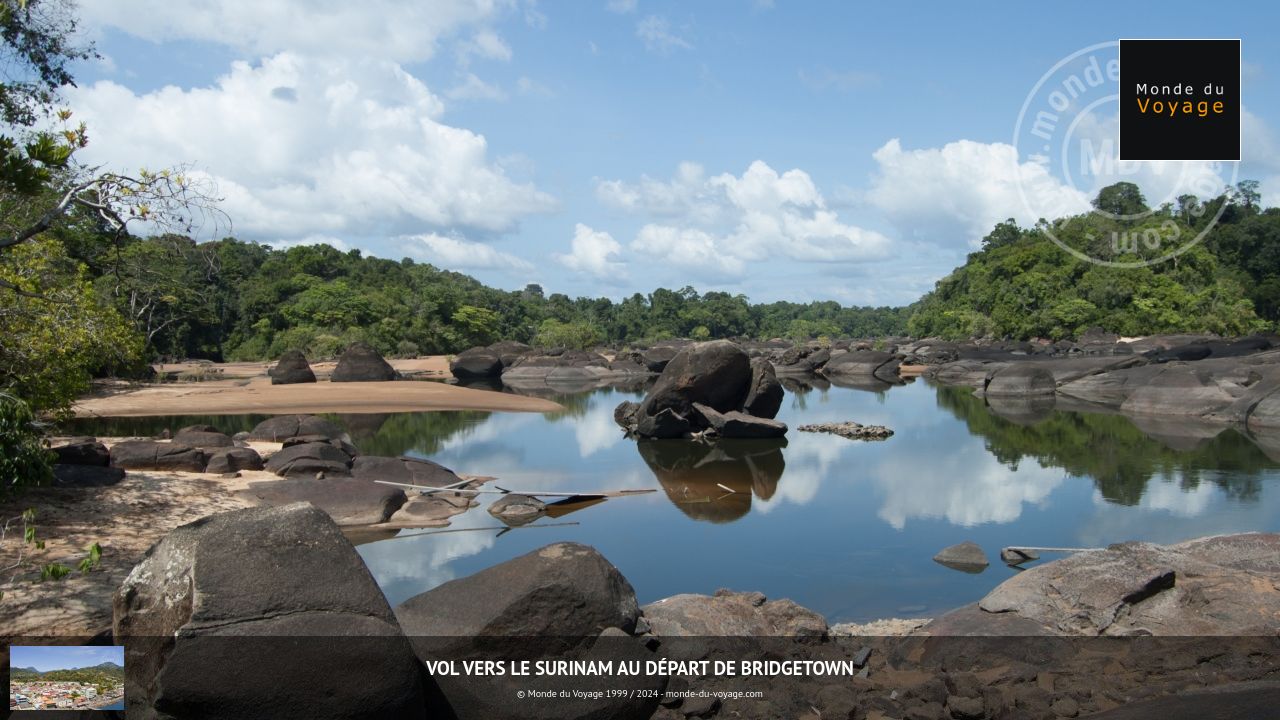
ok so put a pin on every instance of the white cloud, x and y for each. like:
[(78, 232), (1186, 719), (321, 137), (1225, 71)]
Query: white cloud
[(473, 88), (592, 253), (960, 191), (456, 253), (719, 224), (621, 6), (656, 32), (485, 44), (399, 30), (300, 146)]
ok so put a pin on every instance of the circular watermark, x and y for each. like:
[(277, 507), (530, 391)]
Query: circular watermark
[(1067, 151)]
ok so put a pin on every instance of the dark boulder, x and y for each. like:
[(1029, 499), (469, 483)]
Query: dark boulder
[(339, 443), (565, 594), (410, 471), (199, 436), (625, 415), (666, 425), (346, 500), (291, 369), (1020, 380), (152, 455), (508, 351), (82, 451), (764, 399), (478, 362), (309, 458), (283, 427), (81, 476), (231, 460), (716, 374), (1184, 353), (737, 425), (656, 358), (278, 590), (361, 363)]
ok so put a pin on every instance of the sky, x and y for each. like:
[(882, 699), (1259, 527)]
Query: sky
[(64, 657), (784, 150)]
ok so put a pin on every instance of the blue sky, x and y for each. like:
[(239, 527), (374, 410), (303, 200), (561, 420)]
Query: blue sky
[(64, 657), (608, 147)]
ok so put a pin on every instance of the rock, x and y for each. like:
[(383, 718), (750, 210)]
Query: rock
[(411, 471), (65, 475), (1110, 388), (346, 500), (764, 398), (625, 415), (694, 475), (1184, 353), (1217, 586), (82, 451), (1183, 391), (1096, 335), (565, 594), (478, 362), (730, 614), (967, 708), (1018, 556), (292, 368), (508, 351), (517, 509), (309, 458), (230, 460), (737, 425), (1021, 379), (199, 437), (717, 374), (851, 430), (361, 363), (339, 443), (283, 427), (1065, 707), (269, 589), (700, 707), (656, 358), (864, 362), (152, 455), (665, 425), (1224, 702), (966, 557)]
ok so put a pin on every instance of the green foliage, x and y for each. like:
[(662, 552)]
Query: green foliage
[(573, 335), (1022, 286), (23, 459), (54, 571)]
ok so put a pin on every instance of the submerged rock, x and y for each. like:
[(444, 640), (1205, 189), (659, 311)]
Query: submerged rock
[(965, 557), (517, 509), (850, 430)]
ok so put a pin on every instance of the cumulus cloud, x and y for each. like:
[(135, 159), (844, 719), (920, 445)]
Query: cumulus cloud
[(300, 146), (473, 88), (721, 223), (451, 252), (656, 32), (592, 253), (486, 44), (960, 191), (401, 30)]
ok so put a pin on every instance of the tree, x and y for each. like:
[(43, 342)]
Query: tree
[(1123, 199)]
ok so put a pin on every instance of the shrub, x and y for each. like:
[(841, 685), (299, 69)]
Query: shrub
[(23, 459)]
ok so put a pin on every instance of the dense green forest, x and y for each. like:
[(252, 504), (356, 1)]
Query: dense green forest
[(1020, 285)]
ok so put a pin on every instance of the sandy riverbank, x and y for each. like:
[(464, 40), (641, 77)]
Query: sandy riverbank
[(244, 388)]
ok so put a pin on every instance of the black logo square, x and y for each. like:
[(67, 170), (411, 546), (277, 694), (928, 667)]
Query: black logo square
[(1179, 99)]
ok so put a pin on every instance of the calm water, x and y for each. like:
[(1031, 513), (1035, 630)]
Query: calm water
[(844, 527)]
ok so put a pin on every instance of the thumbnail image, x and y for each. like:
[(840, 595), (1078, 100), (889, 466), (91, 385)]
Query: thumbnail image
[(66, 677)]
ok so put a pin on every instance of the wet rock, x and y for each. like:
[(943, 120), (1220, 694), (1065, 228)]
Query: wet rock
[(230, 460), (764, 399), (283, 427), (665, 425), (1018, 556), (737, 425), (1021, 379), (361, 363), (517, 509), (291, 369), (965, 557), (152, 455), (82, 451), (347, 501), (730, 614), (850, 430), (270, 589), (81, 476)]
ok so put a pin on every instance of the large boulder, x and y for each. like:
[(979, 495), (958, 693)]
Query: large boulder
[(508, 351), (476, 363), (732, 614), (361, 363), (202, 436), (656, 358), (737, 425), (1216, 586), (716, 374), (346, 500), (1021, 380), (307, 459), (235, 459), (292, 368), (283, 427), (764, 398), (153, 455), (82, 451), (411, 471), (273, 603)]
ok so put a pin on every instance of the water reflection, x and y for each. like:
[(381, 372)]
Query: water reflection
[(715, 482)]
